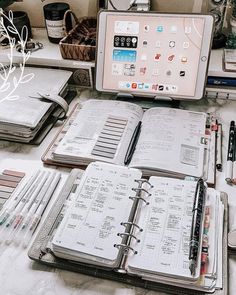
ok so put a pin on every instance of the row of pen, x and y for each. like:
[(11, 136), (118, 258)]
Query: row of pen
[(22, 212)]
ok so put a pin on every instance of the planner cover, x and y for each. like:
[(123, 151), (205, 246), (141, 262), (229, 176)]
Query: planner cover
[(41, 250), (28, 110), (25, 115)]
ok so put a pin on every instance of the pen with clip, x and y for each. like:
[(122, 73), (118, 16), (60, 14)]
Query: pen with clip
[(39, 212), (21, 217), (34, 207), (20, 214), (10, 205), (234, 161), (219, 146), (194, 244), (230, 154), (132, 143)]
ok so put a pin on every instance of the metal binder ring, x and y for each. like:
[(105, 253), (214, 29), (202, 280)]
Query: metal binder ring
[(126, 248), (132, 224), (139, 189), (142, 180), (139, 198), (128, 235)]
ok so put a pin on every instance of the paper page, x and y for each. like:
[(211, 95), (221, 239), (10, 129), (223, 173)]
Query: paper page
[(219, 281), (164, 246), (101, 131), (212, 203), (213, 221), (170, 140), (230, 55), (102, 202)]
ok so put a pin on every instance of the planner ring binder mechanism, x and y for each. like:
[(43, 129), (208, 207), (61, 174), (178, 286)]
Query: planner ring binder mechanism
[(162, 233), (37, 105)]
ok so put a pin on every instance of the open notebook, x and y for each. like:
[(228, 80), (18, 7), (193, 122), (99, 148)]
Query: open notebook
[(119, 222), (169, 141)]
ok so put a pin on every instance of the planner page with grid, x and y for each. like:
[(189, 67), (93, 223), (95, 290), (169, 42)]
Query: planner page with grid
[(171, 141), (101, 131), (166, 223), (89, 229)]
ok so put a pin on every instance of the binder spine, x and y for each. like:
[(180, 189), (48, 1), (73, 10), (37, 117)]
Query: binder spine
[(130, 225)]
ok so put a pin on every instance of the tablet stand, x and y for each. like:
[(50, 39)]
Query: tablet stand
[(147, 102)]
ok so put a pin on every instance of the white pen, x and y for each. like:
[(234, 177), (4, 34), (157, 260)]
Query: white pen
[(39, 212), (29, 215), (34, 199), (20, 212), (24, 201), (219, 147), (10, 205)]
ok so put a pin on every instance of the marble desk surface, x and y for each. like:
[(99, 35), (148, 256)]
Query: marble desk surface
[(21, 276)]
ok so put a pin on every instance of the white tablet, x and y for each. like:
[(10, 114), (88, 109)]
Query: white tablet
[(151, 54)]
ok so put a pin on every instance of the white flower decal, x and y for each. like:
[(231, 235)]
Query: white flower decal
[(9, 83)]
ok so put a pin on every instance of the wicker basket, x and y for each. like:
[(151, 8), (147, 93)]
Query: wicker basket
[(80, 42)]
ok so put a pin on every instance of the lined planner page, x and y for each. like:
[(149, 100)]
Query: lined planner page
[(90, 226), (101, 131), (171, 140), (164, 245)]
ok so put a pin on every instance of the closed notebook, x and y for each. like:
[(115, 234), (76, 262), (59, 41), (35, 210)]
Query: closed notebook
[(118, 221), (22, 117), (27, 110)]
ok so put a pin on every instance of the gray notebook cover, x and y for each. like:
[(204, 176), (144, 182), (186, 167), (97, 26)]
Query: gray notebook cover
[(26, 110)]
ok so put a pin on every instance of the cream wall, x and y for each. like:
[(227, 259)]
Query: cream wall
[(34, 8)]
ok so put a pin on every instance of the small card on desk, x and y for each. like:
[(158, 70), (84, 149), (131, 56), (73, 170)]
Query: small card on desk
[(229, 60)]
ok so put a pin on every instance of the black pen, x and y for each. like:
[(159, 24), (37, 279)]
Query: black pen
[(196, 226), (219, 146), (132, 143), (234, 160), (230, 154)]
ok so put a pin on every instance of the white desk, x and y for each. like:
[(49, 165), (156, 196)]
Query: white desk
[(21, 276)]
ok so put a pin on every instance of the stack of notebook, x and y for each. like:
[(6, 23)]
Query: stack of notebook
[(23, 117)]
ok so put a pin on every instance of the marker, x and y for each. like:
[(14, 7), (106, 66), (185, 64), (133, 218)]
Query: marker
[(234, 161), (219, 147), (230, 155)]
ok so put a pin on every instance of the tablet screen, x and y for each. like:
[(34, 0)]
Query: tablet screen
[(153, 54)]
